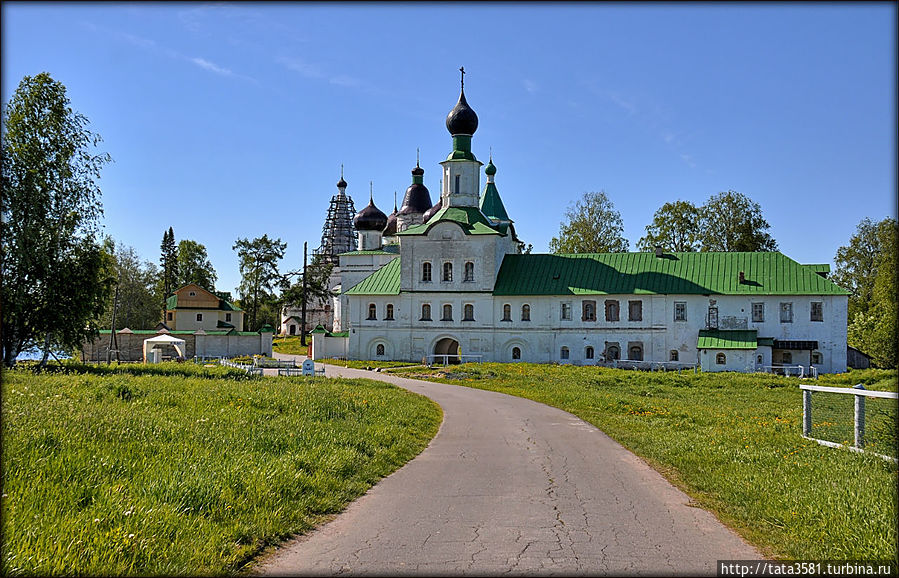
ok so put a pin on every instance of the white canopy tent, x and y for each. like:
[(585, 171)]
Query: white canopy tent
[(150, 343)]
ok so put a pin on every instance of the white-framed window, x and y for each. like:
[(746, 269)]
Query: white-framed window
[(372, 311), (468, 312), (507, 312), (588, 310), (425, 312), (199, 317), (712, 319), (426, 272), (447, 312), (680, 310), (566, 311), (720, 359), (458, 184), (228, 317), (635, 311), (525, 312), (469, 272), (612, 310), (758, 312), (817, 311), (786, 312), (564, 353), (447, 272), (389, 315), (635, 351)]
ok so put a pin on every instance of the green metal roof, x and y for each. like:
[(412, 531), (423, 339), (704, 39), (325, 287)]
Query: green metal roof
[(172, 303), (385, 250), (819, 268), (471, 219), (769, 273), (384, 281), (726, 339), (492, 204)]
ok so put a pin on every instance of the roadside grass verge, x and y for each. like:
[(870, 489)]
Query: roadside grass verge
[(291, 345), (733, 443), (107, 473), (368, 364)]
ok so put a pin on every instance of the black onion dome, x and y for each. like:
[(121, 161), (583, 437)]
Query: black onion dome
[(341, 184), (432, 211), (390, 229), (462, 119), (417, 199), (371, 218)]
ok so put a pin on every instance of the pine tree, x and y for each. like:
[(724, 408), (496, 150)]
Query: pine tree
[(168, 262)]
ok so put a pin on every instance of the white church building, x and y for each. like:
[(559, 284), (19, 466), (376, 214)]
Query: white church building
[(448, 281)]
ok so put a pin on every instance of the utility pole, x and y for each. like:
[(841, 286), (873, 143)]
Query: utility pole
[(303, 314), (113, 342)]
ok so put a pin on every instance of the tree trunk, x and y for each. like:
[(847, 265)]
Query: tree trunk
[(46, 356)]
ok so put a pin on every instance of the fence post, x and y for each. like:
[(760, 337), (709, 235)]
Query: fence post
[(806, 412), (859, 418)]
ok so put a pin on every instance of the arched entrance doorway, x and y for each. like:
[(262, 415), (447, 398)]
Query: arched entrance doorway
[(447, 346)]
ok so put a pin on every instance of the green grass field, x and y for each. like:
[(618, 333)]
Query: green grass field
[(291, 345), (732, 442), (179, 469)]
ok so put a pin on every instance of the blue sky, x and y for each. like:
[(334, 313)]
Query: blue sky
[(232, 120)]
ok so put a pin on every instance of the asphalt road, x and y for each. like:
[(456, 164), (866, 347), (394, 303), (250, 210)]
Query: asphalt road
[(509, 485)]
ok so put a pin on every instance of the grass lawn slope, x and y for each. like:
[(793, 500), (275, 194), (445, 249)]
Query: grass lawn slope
[(191, 471), (732, 442)]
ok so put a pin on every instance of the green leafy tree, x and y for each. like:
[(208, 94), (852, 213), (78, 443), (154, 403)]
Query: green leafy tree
[(56, 276), (867, 269), (135, 299), (194, 265), (259, 278), (168, 263), (593, 226), (318, 273), (732, 221), (675, 227)]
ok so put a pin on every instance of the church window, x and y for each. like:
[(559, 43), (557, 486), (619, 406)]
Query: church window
[(635, 311), (613, 351), (447, 312), (525, 312), (680, 311), (720, 359), (469, 271), (379, 350), (372, 311), (588, 353), (817, 311), (199, 317), (516, 353), (468, 312), (564, 353), (566, 311), (389, 315), (786, 312), (588, 311), (817, 358), (758, 312), (786, 357), (426, 272), (713, 318), (635, 351), (672, 355), (458, 188), (425, 312), (611, 310), (507, 312), (447, 271)]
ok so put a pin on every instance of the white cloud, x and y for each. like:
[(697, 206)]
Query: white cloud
[(530, 85), (301, 66), (206, 65)]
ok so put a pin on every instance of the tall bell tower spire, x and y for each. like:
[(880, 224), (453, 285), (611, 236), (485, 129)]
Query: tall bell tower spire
[(461, 169)]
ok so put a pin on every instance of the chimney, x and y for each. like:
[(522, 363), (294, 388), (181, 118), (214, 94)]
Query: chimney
[(658, 251), (742, 277)]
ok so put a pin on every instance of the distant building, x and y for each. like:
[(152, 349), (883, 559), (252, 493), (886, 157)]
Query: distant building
[(456, 286), (193, 307)]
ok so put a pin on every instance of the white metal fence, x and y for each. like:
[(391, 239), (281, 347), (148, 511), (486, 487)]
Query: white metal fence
[(860, 394)]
